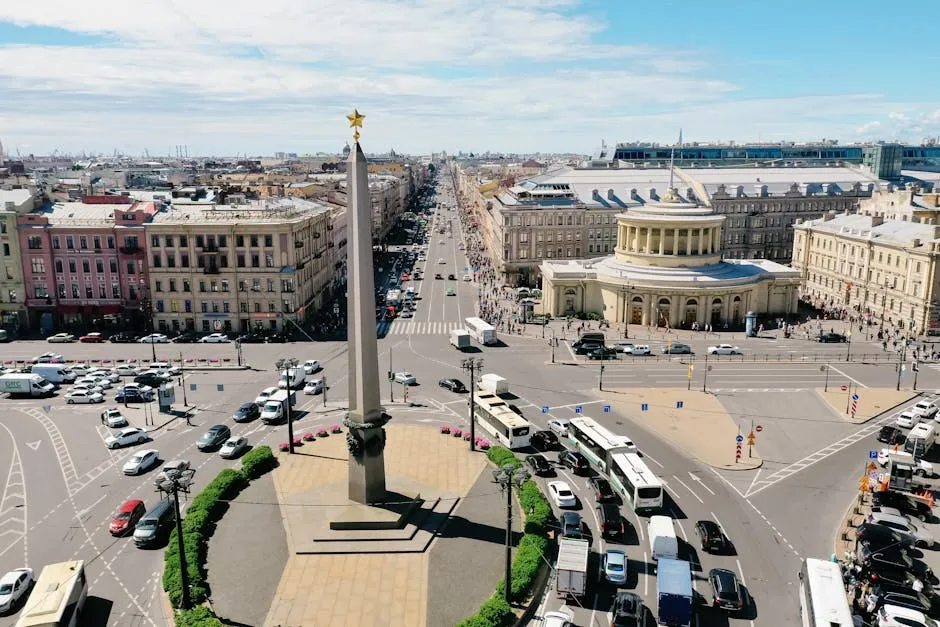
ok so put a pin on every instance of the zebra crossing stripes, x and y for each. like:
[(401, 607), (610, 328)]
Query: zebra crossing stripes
[(405, 327)]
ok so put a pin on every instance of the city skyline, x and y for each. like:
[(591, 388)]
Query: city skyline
[(526, 76)]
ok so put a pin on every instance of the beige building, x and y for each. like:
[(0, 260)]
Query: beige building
[(906, 205), (259, 265), (878, 269), (385, 191), (13, 203), (666, 269)]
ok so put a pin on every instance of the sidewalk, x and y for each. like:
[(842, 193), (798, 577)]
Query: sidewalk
[(871, 402)]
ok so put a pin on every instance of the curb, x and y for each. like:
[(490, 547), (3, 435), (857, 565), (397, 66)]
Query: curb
[(918, 394)]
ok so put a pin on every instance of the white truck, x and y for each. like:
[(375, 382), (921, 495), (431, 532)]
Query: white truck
[(54, 373), (460, 339), (275, 408), (20, 384), (662, 535), (393, 297), (494, 384), (572, 567), (293, 379), (921, 439)]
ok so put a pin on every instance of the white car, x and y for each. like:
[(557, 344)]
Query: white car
[(897, 616), (407, 313), (314, 386), (441, 260), (233, 447), (142, 461), (467, 277), (405, 378), (637, 349), (926, 409), (104, 374), (126, 370), (86, 387), (561, 493), (213, 338), (263, 395), (907, 419), (80, 370), (126, 437), (556, 619), (311, 365), (724, 349), (60, 338), (559, 426), (614, 566), (83, 396), (154, 338), (13, 586), (48, 358), (99, 382), (921, 467), (114, 418)]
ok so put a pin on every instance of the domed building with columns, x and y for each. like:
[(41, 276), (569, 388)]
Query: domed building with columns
[(667, 270)]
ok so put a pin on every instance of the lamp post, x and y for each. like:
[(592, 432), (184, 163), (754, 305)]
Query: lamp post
[(284, 365), (172, 486), (471, 365), (627, 309), (884, 307), (182, 384), (506, 477)]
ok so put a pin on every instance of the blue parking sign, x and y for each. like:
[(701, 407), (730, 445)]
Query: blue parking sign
[(577, 409), (545, 409), (606, 409), (644, 407), (872, 454), (220, 387), (192, 387), (678, 404)]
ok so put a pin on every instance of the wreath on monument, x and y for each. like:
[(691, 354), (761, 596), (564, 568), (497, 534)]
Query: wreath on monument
[(357, 444)]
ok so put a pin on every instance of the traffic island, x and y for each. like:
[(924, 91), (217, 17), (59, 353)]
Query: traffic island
[(695, 422), (870, 402)]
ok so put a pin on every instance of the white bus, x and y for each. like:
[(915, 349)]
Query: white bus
[(635, 482), (823, 602), (597, 443), (57, 598), (482, 331), (509, 428)]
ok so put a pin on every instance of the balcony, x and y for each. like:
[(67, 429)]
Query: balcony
[(211, 270)]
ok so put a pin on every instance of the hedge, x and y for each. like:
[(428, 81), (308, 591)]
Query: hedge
[(500, 456), (525, 566), (200, 616), (494, 612), (199, 524)]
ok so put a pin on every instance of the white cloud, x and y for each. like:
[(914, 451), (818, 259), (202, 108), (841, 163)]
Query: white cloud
[(868, 127)]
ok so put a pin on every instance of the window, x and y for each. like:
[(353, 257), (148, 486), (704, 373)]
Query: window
[(155, 241), (61, 290), (168, 239), (111, 242), (172, 285), (243, 307), (254, 240), (270, 285), (89, 293), (158, 286), (186, 285), (225, 306), (157, 260), (55, 238), (6, 250), (112, 265), (255, 261), (239, 240), (41, 291), (159, 306), (242, 285), (170, 259), (11, 295), (223, 261), (131, 242), (269, 240), (69, 242), (99, 265), (184, 260), (58, 266), (271, 308), (39, 265), (256, 285), (102, 291), (83, 242), (34, 242), (215, 306), (201, 261), (213, 286), (257, 307), (202, 286), (204, 307), (86, 266), (200, 241), (188, 306), (132, 292), (269, 260), (72, 266), (115, 290), (240, 260), (184, 241), (74, 290), (224, 285), (223, 241)]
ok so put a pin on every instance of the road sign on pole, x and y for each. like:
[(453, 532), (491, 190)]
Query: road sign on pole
[(759, 428), (872, 454), (739, 439), (855, 397), (545, 409), (644, 406), (578, 409), (606, 409), (679, 404)]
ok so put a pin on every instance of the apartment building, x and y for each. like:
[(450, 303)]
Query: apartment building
[(385, 192), (13, 203), (259, 265), (83, 263)]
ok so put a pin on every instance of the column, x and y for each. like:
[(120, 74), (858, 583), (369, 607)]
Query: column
[(649, 240), (662, 240), (708, 241), (716, 239), (688, 241), (701, 240), (675, 242)]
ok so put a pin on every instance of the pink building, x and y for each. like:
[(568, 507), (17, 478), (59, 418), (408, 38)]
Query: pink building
[(84, 263)]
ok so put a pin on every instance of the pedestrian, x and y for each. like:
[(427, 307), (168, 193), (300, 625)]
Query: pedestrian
[(871, 603), (102, 417), (918, 585), (188, 420)]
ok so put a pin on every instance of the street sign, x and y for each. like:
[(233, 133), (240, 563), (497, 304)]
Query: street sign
[(759, 428), (872, 454), (750, 440), (844, 388), (751, 436), (871, 466), (192, 387), (740, 438), (578, 409), (545, 409), (855, 397), (678, 404), (644, 407), (606, 409), (220, 388)]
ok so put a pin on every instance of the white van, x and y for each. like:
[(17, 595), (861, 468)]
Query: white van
[(921, 438), (662, 535), (54, 373)]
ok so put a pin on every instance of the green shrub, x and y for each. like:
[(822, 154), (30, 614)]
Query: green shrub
[(495, 612), (257, 461), (538, 513), (500, 456), (525, 566), (200, 616)]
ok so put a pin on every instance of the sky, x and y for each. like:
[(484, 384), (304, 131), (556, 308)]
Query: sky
[(227, 77)]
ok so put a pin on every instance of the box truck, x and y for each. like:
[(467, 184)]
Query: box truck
[(54, 373), (572, 567), (494, 384), (19, 384), (674, 588), (921, 439), (293, 379), (460, 339), (275, 408)]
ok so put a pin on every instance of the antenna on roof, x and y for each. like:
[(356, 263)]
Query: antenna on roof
[(672, 159)]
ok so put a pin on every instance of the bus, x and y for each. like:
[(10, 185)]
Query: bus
[(482, 331), (496, 418), (823, 602), (57, 598), (597, 443), (635, 482)]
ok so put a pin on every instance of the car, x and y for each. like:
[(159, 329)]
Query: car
[(614, 566), (263, 395), (677, 349), (406, 314), (246, 412), (60, 338), (544, 440), (154, 338), (441, 260), (113, 418), (623, 346), (556, 619), (628, 610), (902, 596), (438, 275), (710, 536), (276, 338), (892, 558), (726, 590), (106, 375), (878, 536), (405, 378), (405, 277), (91, 338), (570, 525), (454, 385), (831, 338), (87, 387), (724, 349), (141, 461), (610, 519), (451, 277), (891, 435), (897, 616), (213, 338), (314, 386), (123, 338), (587, 348), (83, 396), (124, 520), (13, 586), (603, 352), (559, 426), (574, 460), (187, 337), (926, 409), (128, 394), (48, 358), (126, 370), (602, 490), (907, 419), (904, 527), (880, 574), (561, 494), (451, 292), (94, 381), (904, 503), (233, 447), (310, 366), (214, 437), (152, 378), (126, 437), (539, 465), (467, 277)]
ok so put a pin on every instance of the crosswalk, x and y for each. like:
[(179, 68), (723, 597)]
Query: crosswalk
[(406, 327)]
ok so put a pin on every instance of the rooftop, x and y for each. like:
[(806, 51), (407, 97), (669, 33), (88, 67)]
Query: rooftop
[(870, 228), (269, 210), (16, 196)]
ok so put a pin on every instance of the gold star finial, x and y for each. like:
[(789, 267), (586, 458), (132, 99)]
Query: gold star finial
[(355, 121)]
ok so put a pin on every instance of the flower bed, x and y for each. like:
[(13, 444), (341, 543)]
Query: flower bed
[(309, 437), (322, 433)]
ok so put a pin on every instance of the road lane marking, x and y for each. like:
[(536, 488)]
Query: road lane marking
[(853, 379), (14, 501), (649, 457), (682, 529), (756, 475), (700, 482), (692, 492)]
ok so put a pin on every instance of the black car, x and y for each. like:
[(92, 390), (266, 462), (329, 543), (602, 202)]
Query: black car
[(133, 396), (247, 412), (438, 275), (569, 524), (451, 277), (214, 437), (895, 558), (891, 435), (709, 533), (586, 348), (153, 379), (539, 465), (608, 514), (602, 490), (881, 575), (276, 338), (726, 591), (187, 337), (250, 338), (454, 385), (628, 610), (123, 338), (832, 338), (544, 440), (879, 536), (603, 352), (577, 462), (890, 594), (900, 501)]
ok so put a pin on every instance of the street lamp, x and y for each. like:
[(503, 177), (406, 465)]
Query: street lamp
[(506, 477), (285, 365), (884, 307), (627, 309), (172, 486), (471, 365)]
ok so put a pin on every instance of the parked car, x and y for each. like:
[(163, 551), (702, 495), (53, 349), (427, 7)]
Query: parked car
[(123, 338), (233, 447), (130, 394), (213, 338), (154, 338), (48, 358), (602, 353), (831, 338), (726, 590), (724, 349), (91, 338), (114, 418), (574, 460), (879, 536), (904, 527), (314, 386), (153, 378), (141, 462), (570, 524), (556, 619), (311, 366), (614, 566), (60, 338), (602, 490), (891, 435), (610, 519), (13, 586), (906, 504), (214, 437), (544, 440), (561, 494), (902, 596), (83, 396), (539, 465), (126, 370), (558, 426), (454, 385), (126, 517), (639, 350), (710, 536), (587, 348), (187, 337), (405, 378)]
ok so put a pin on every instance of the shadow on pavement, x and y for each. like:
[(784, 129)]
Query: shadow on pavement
[(460, 527), (97, 612)]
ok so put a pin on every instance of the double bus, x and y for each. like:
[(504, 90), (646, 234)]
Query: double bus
[(823, 602), (496, 418), (635, 482), (58, 597), (597, 443), (482, 331)]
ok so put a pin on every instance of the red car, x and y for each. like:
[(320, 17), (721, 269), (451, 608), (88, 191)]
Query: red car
[(126, 517), (92, 338), (405, 277)]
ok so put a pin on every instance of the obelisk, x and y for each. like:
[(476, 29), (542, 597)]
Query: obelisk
[(366, 418)]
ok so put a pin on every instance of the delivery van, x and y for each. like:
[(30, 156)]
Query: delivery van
[(662, 535)]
